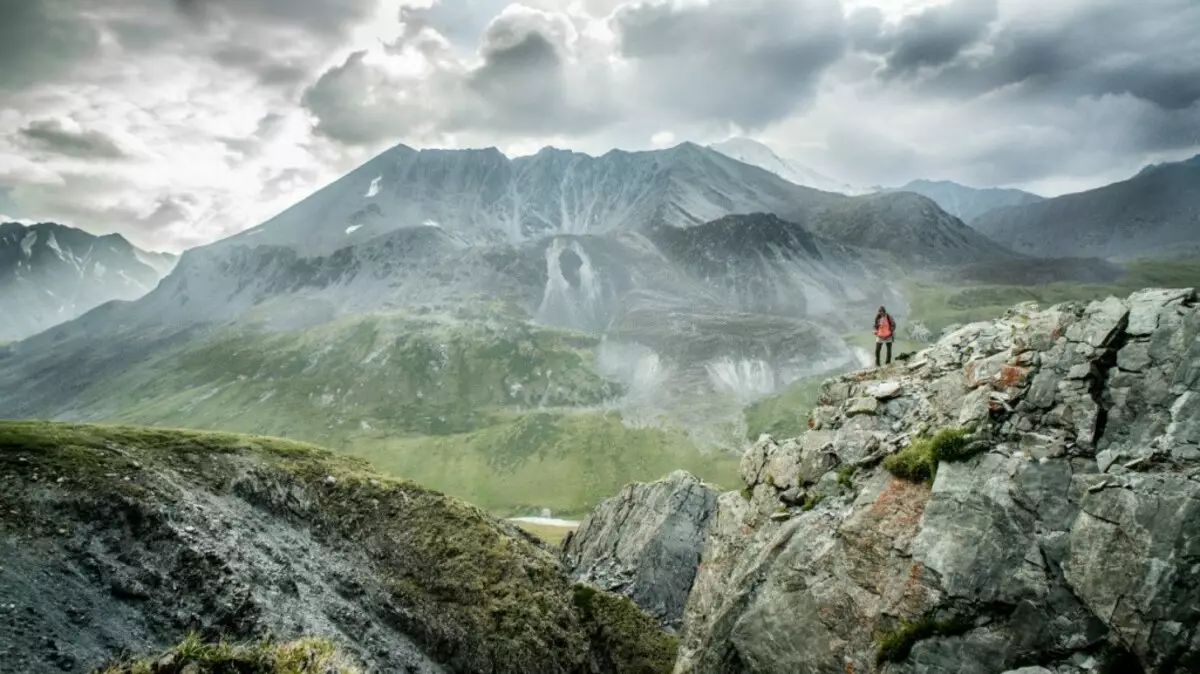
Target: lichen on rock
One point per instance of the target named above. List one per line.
(1061, 533)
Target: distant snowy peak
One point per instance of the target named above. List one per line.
(755, 153)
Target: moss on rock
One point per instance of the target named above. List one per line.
(919, 461)
(195, 656)
(474, 593)
(624, 639)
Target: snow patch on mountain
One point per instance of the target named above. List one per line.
(374, 188)
(27, 244)
(353, 228)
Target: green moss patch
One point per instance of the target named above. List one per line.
(919, 461)
(194, 656)
(478, 594)
(895, 645)
(625, 640)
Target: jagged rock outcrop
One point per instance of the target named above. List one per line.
(1065, 538)
(645, 543)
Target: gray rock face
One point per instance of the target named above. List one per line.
(645, 543)
(1069, 543)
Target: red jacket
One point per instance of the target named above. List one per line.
(885, 326)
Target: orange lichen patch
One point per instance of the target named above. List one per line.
(1057, 333)
(872, 536)
(902, 500)
(1012, 375)
(914, 574)
(849, 668)
(969, 374)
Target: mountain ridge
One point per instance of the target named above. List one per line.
(965, 202)
(51, 273)
(1152, 213)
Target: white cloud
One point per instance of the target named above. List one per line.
(177, 129)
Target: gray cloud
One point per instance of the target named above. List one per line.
(1148, 49)
(50, 135)
(235, 101)
(338, 99)
(937, 35)
(268, 68)
(323, 17)
(41, 40)
(748, 62)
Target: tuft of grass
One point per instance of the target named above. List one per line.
(895, 645)
(811, 501)
(625, 640)
(845, 475)
(919, 461)
(195, 656)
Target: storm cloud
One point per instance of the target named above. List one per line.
(181, 121)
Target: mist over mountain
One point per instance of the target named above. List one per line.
(51, 273)
(968, 203)
(906, 225)
(1155, 213)
(437, 307)
(757, 154)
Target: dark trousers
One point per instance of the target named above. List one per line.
(889, 353)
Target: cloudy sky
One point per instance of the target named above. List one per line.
(177, 122)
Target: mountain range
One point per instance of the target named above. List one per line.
(565, 321)
(968, 203)
(50, 274)
(1155, 213)
(433, 307)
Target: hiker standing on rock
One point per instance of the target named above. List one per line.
(885, 330)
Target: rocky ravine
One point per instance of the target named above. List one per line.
(116, 540)
(1060, 535)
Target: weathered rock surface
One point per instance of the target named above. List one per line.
(117, 540)
(645, 543)
(1070, 545)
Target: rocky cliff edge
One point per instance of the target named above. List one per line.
(1023, 496)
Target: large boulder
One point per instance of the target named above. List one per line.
(645, 543)
(1060, 531)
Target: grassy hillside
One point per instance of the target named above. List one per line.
(475, 593)
(563, 460)
(939, 306)
(499, 412)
